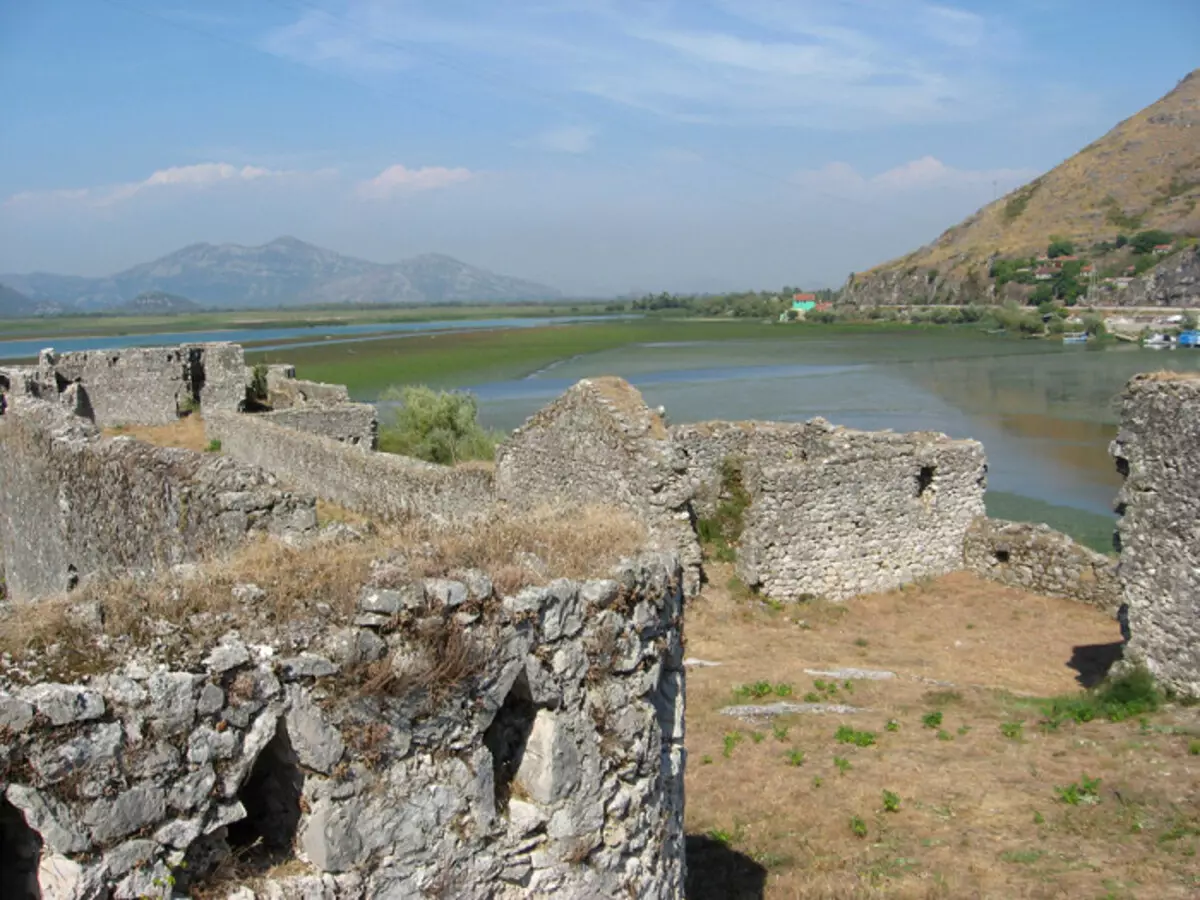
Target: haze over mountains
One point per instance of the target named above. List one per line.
(285, 272)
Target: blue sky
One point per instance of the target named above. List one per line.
(599, 145)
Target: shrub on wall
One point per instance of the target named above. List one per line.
(436, 426)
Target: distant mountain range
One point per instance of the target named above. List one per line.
(285, 272)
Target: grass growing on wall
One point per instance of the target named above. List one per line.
(721, 532)
(436, 426)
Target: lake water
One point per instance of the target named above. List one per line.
(1044, 412)
(273, 338)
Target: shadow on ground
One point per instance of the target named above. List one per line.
(1092, 661)
(715, 871)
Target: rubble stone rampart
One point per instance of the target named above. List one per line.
(383, 485)
(545, 761)
(285, 390)
(147, 385)
(1158, 451)
(73, 504)
(349, 423)
(863, 512)
(599, 443)
(1038, 559)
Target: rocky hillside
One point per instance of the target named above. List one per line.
(1142, 176)
(285, 272)
(157, 303)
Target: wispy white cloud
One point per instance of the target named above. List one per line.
(840, 179)
(399, 179)
(835, 64)
(193, 177)
(564, 139)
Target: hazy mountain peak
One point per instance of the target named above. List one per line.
(284, 272)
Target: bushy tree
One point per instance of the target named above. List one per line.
(436, 426)
(1146, 241)
(1059, 247)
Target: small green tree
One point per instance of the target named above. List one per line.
(1146, 241)
(1121, 241)
(1059, 247)
(436, 426)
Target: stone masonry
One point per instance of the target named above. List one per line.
(146, 385)
(599, 444)
(1038, 559)
(547, 762)
(1158, 451)
(863, 512)
(74, 504)
(381, 485)
(350, 423)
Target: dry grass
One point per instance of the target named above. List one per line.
(761, 827)
(322, 579)
(1147, 168)
(628, 400)
(186, 433)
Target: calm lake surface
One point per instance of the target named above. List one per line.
(1044, 412)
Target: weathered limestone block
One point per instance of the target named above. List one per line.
(599, 443)
(860, 512)
(1158, 451)
(1039, 559)
(285, 391)
(546, 760)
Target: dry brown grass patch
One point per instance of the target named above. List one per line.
(320, 579)
(186, 433)
(966, 826)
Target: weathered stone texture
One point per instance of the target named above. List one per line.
(349, 423)
(548, 764)
(285, 390)
(863, 512)
(1174, 282)
(1158, 450)
(73, 504)
(1039, 559)
(599, 444)
(148, 385)
(707, 445)
(385, 485)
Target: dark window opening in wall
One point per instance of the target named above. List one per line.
(925, 479)
(5, 387)
(271, 795)
(72, 577)
(1122, 467)
(60, 382)
(507, 737)
(194, 378)
(1001, 555)
(20, 850)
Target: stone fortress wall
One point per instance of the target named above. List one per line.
(75, 504)
(1038, 559)
(599, 444)
(380, 485)
(1158, 451)
(551, 764)
(859, 512)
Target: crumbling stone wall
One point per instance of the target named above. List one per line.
(599, 443)
(1158, 451)
(707, 445)
(543, 757)
(383, 485)
(147, 385)
(285, 390)
(863, 512)
(349, 423)
(73, 503)
(1039, 559)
